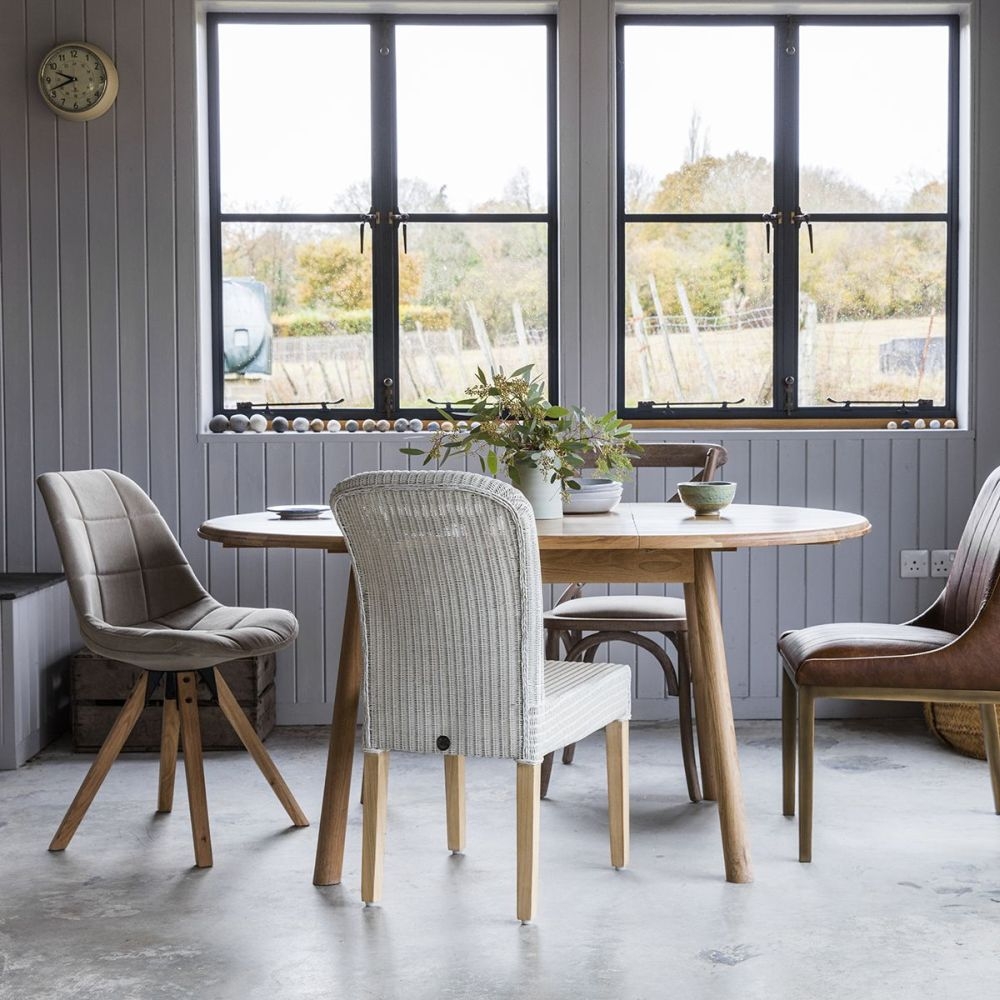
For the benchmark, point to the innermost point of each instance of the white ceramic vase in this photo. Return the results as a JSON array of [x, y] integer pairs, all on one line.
[[544, 496]]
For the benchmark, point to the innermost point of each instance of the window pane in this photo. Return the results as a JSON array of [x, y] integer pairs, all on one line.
[[865, 339], [294, 117], [472, 111], [297, 314], [698, 313], [471, 295], [874, 138], [698, 118]]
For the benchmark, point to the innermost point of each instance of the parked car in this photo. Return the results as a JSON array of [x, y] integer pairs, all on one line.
[[246, 327]]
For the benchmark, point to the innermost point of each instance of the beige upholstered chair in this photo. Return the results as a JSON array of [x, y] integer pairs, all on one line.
[[949, 653], [138, 601], [581, 624], [450, 596]]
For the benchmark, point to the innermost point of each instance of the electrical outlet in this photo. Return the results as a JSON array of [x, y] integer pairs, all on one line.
[[913, 563], [941, 561]]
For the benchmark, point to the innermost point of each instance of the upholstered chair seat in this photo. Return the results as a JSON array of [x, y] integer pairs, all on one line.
[[139, 602]]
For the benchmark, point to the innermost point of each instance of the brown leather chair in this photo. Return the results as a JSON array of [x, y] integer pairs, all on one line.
[[581, 624], [947, 654]]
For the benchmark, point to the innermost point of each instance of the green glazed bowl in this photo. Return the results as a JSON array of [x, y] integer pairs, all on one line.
[[707, 497]]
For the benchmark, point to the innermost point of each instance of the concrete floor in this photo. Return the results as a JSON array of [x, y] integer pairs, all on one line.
[[902, 899]]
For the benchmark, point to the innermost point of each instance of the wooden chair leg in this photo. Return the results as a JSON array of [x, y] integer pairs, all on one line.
[[249, 738], [706, 751], [616, 744], [454, 797], [528, 812], [373, 823], [169, 738], [543, 785], [807, 739], [991, 737], [119, 733], [686, 721], [568, 752], [789, 700], [194, 767]]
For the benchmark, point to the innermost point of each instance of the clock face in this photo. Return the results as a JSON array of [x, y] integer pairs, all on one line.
[[78, 81]]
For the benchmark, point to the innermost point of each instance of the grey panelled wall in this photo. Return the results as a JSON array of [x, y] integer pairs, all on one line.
[[101, 349]]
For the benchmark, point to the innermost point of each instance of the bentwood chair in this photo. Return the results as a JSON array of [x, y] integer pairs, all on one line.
[[138, 601], [450, 596], [581, 624], [949, 653]]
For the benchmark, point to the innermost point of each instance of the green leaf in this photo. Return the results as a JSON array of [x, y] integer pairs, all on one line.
[[491, 462], [412, 451]]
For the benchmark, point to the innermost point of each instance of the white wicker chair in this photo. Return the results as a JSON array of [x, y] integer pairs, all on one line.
[[451, 611]]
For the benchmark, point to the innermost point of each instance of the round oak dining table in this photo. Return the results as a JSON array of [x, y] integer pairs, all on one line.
[[634, 543]]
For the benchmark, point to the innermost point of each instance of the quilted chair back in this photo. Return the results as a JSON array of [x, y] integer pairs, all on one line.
[[977, 561], [122, 562], [451, 607]]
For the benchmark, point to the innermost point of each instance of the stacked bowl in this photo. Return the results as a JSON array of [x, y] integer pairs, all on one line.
[[595, 496]]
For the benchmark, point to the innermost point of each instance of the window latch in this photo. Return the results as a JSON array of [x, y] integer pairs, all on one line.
[[388, 398], [396, 217], [798, 217], [772, 218], [373, 218], [789, 383]]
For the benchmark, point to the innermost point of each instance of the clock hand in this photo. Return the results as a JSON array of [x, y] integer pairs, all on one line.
[[65, 75], [70, 80]]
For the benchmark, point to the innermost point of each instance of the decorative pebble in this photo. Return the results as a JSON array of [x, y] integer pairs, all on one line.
[[218, 423], [279, 424], [402, 424], [433, 425], [351, 426], [258, 423], [416, 425], [934, 425], [905, 424], [949, 423], [368, 425], [300, 424], [318, 424], [462, 425], [333, 426], [447, 426], [383, 425], [239, 422], [920, 423], [892, 425]]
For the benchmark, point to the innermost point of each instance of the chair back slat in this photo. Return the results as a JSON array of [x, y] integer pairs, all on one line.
[[449, 582]]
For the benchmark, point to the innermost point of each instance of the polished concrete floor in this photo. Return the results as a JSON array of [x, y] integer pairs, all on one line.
[[902, 898]]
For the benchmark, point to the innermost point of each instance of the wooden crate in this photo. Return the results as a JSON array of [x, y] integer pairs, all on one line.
[[99, 687]]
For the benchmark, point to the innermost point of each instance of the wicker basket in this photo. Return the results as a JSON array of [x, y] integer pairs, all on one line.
[[959, 726]]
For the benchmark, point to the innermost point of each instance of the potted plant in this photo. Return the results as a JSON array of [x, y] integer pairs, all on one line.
[[542, 447]]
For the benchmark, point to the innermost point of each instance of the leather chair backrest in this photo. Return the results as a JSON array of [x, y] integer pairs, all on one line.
[[977, 560], [450, 590], [121, 560]]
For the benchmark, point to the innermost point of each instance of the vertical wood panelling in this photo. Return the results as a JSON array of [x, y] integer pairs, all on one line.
[[819, 558], [279, 478], [222, 499], [101, 245], [161, 323], [17, 543], [876, 554], [791, 580], [43, 199], [132, 206], [74, 276], [762, 602], [310, 601], [733, 570], [932, 509], [847, 557], [336, 466], [251, 564], [902, 524]]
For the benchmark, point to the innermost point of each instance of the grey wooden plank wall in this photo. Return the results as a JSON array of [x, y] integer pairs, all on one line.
[[103, 364]]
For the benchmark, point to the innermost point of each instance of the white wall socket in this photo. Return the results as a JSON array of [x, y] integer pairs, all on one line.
[[941, 561], [914, 563]]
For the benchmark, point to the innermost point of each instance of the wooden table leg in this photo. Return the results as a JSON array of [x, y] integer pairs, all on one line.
[[715, 681], [340, 756], [705, 753]]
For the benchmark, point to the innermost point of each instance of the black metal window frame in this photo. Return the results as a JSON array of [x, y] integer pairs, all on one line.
[[785, 238], [384, 179]]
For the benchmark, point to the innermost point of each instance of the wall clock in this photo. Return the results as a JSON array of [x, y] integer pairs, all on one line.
[[78, 81]]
